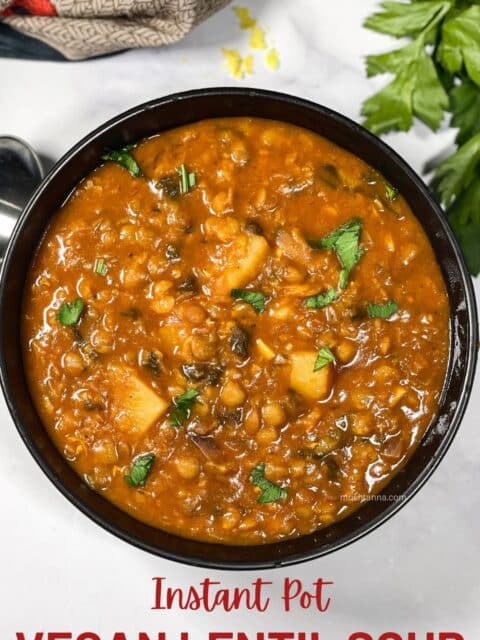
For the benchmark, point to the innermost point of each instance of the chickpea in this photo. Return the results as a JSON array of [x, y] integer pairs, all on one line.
[[232, 394], [132, 277], [72, 363], [187, 467], [202, 347], [192, 312], [104, 452], [102, 341], [273, 414], [266, 435], [345, 351], [230, 519], [164, 304], [252, 421]]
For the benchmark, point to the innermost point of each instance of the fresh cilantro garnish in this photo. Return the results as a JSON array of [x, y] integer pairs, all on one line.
[[182, 407], [124, 158], [270, 491], [345, 241], [70, 312], [436, 72], [385, 311], [187, 180], [321, 300], [255, 298], [100, 267], [141, 467], [324, 357]]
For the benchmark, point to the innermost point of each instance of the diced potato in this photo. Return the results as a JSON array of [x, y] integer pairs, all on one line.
[[264, 350], [245, 260], [135, 405], [311, 384]]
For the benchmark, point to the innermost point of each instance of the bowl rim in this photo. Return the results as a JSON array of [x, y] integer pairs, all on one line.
[[466, 285]]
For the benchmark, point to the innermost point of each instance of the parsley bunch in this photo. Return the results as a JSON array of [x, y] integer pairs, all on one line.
[[437, 71]]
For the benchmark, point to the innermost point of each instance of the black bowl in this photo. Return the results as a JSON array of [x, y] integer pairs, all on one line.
[[180, 109]]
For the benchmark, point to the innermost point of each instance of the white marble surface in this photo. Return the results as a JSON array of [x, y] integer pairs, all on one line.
[[59, 571]]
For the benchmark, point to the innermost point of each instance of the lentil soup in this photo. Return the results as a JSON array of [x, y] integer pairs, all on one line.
[[235, 331]]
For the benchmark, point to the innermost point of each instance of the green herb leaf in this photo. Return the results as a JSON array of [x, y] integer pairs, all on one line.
[[458, 171], [187, 180], [321, 300], [324, 357], [385, 311], [465, 219], [124, 158], [345, 241], [270, 491], [140, 469], [465, 105], [70, 312], [390, 192], [100, 267], [460, 45], [400, 19], [182, 407], [255, 298], [416, 90]]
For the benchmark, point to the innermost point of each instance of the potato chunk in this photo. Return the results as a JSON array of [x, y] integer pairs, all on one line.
[[242, 261], [314, 385], [135, 405]]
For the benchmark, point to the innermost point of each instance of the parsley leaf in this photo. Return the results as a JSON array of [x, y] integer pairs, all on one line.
[[140, 469], [124, 158], [437, 69], [321, 300], [70, 312], [324, 357], [460, 44], [345, 241], [384, 311], [457, 172], [399, 19], [465, 218], [416, 90], [182, 407], [255, 298], [270, 491], [465, 105]]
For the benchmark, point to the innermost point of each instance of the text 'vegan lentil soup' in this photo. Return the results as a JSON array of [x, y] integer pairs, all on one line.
[[235, 331]]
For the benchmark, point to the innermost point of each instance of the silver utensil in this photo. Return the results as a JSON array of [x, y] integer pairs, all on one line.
[[20, 172]]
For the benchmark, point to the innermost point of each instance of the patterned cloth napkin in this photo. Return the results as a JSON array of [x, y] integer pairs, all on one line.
[[81, 29]]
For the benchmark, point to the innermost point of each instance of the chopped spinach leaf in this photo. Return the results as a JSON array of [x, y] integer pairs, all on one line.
[[255, 298], [140, 469], [324, 357], [270, 491], [182, 407], [70, 312], [385, 311]]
